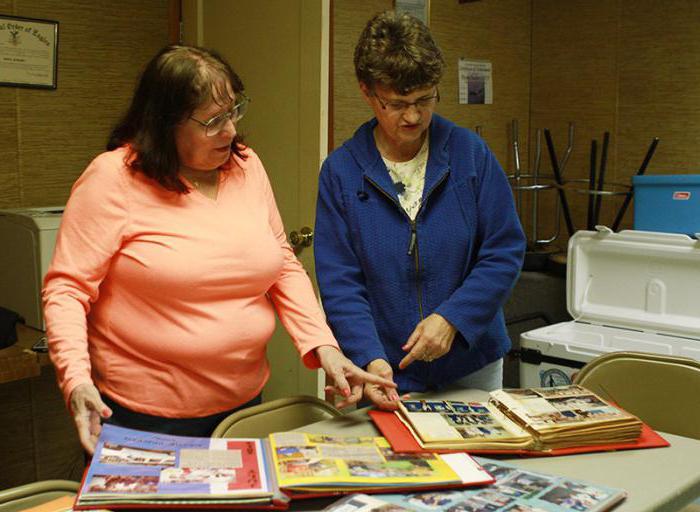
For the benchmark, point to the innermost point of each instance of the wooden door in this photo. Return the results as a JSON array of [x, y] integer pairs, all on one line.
[[280, 50]]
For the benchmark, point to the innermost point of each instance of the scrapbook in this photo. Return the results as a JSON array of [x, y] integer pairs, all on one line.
[[536, 421], [531, 418], [515, 490], [131, 468]]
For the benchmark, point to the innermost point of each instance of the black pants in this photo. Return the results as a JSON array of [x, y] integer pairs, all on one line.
[[196, 427]]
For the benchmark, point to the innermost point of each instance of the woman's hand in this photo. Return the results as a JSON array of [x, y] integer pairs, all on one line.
[[87, 408], [384, 397], [349, 379], [432, 338]]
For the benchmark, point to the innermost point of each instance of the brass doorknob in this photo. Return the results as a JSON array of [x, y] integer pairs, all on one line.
[[303, 238]]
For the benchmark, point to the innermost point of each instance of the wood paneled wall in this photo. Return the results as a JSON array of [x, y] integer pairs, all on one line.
[[496, 31], [349, 110], [47, 137], [630, 67]]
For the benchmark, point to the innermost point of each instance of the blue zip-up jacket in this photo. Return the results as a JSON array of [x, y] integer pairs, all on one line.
[[380, 273]]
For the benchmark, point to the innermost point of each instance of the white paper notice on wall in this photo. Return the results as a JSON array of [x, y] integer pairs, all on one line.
[[475, 82], [418, 8]]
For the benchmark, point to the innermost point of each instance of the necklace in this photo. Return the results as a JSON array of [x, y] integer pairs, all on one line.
[[202, 179]]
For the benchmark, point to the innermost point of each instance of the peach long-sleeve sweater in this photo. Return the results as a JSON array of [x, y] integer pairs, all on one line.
[[165, 301]]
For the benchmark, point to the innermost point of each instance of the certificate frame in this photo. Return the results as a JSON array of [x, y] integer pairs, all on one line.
[[28, 52]]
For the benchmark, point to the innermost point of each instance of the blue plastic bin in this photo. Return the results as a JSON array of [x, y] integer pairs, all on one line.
[[668, 203]]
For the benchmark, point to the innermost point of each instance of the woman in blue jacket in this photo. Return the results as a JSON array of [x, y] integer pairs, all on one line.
[[417, 241]]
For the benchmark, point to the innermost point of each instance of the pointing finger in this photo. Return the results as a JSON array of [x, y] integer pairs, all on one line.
[[372, 378], [410, 357], [412, 339]]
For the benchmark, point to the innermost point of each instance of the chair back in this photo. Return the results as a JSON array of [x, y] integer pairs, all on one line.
[[275, 416], [660, 390], [26, 496]]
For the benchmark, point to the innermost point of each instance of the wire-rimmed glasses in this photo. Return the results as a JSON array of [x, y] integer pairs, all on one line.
[[398, 106], [217, 123]]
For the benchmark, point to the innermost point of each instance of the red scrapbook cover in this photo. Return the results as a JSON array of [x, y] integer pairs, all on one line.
[[402, 440]]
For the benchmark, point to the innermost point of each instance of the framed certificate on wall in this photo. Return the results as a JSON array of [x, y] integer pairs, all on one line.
[[28, 52]]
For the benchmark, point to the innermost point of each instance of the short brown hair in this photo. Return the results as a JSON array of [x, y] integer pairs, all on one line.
[[174, 83], [398, 51]]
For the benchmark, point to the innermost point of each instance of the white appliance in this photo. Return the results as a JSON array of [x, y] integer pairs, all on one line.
[[27, 239], [634, 290]]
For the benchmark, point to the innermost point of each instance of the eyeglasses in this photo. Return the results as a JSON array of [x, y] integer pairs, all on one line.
[[398, 106], [218, 122]]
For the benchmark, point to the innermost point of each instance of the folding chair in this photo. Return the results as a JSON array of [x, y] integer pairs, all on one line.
[[276, 416], [661, 390], [22, 497]]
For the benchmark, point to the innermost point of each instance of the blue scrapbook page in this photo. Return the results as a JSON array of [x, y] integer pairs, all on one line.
[[130, 463]]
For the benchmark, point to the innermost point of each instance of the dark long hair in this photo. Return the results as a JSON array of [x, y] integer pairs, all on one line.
[[174, 83]]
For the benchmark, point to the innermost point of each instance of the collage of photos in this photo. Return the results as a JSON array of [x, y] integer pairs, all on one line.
[[327, 456], [563, 405], [129, 463], [515, 490], [326, 460], [201, 474], [455, 420]]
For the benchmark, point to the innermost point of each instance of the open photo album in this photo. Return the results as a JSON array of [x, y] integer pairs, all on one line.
[[131, 468], [537, 419], [515, 490]]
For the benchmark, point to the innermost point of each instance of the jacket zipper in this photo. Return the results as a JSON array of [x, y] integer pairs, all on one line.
[[413, 243], [413, 249]]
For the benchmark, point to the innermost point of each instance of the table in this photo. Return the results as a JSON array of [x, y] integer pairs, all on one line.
[[39, 440], [658, 479]]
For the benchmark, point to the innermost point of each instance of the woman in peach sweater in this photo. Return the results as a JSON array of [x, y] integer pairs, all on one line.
[[170, 263]]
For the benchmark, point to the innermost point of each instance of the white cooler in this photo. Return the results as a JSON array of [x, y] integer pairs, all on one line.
[[633, 290]]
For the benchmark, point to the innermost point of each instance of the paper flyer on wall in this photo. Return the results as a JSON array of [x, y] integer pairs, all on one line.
[[475, 82]]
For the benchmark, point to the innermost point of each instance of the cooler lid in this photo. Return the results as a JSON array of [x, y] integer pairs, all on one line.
[[640, 280], [666, 179]]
